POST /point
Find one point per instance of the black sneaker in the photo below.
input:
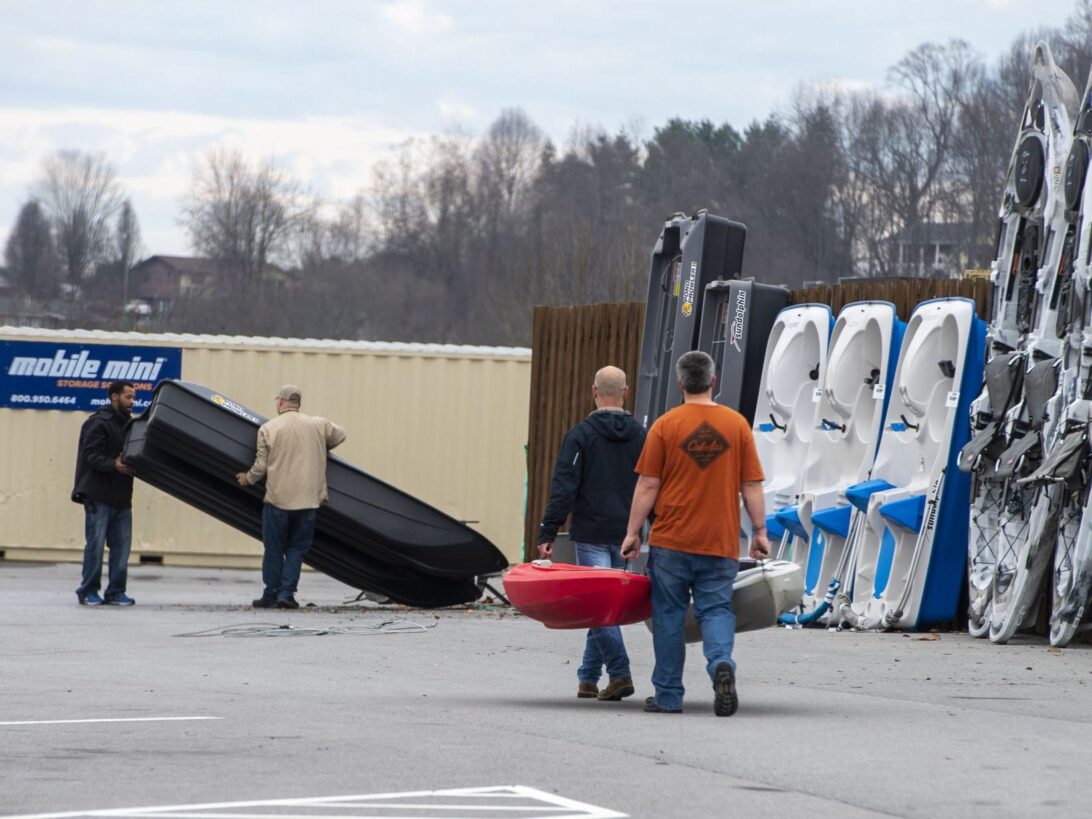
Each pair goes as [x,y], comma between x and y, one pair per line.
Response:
[288,603]
[725,701]
[652,708]
[264,603]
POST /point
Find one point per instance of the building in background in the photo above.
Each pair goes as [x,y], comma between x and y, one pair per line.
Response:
[446,423]
[162,280]
[933,250]
[20,309]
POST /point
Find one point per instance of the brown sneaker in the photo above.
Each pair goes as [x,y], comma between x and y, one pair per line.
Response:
[587,691]
[619,688]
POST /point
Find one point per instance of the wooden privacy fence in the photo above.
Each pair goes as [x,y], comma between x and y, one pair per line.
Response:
[905,294]
[571,343]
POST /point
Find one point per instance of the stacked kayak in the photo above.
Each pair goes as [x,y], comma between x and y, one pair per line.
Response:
[1029,519]
[1068,460]
[192,441]
[1030,454]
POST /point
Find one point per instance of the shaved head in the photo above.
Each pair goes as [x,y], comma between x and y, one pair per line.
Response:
[610,382]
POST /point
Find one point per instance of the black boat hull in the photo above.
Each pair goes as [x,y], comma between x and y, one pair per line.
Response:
[192,441]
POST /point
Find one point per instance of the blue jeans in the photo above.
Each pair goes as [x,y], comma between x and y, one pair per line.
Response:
[675,577]
[604,645]
[287,535]
[110,527]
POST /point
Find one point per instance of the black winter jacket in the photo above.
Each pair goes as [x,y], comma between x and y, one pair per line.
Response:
[102,437]
[594,479]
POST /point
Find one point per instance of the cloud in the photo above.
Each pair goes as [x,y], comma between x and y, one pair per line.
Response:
[415,17]
[155,152]
[454,110]
[328,87]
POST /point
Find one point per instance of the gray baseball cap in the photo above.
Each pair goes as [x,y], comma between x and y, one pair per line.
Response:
[290,392]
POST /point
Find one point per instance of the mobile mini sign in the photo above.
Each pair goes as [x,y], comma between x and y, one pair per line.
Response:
[50,375]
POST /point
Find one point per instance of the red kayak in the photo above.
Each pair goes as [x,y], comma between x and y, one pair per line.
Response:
[561,595]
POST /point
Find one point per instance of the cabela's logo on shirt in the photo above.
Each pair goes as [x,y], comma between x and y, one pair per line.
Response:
[704,445]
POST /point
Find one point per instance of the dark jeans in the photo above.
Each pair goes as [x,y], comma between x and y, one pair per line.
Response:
[286,535]
[676,577]
[603,646]
[110,527]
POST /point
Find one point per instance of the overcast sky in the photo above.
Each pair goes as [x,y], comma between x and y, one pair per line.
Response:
[330,87]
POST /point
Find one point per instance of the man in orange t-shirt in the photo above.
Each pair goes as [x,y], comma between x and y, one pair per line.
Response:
[697,461]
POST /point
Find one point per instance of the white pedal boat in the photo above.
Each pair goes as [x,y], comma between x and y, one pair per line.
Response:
[864,349]
[911,544]
[793,373]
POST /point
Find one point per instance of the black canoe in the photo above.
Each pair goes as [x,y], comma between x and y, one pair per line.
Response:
[192,441]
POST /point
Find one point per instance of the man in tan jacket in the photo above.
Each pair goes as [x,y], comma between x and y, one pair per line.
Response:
[292,458]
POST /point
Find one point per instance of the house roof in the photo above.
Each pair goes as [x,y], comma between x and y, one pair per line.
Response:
[193,265]
[199,266]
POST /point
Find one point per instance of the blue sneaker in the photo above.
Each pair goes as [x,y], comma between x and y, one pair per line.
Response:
[120,600]
[91,599]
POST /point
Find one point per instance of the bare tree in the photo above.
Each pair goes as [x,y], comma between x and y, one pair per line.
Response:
[242,214]
[128,245]
[428,225]
[30,255]
[861,201]
[1072,43]
[508,158]
[904,146]
[458,238]
[311,240]
[351,235]
[988,122]
[80,193]
[836,210]
[397,189]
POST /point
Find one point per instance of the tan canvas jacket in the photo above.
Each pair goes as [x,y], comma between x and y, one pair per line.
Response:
[292,459]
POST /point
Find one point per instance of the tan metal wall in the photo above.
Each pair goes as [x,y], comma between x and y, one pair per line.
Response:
[447,424]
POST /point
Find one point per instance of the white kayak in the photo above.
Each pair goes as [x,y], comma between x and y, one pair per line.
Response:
[763,591]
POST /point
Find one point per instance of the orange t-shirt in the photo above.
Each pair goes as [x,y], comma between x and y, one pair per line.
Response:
[701,453]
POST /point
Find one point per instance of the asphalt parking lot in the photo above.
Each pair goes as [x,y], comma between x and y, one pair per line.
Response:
[471,712]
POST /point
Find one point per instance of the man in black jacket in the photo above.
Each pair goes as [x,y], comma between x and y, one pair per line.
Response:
[104,485]
[594,479]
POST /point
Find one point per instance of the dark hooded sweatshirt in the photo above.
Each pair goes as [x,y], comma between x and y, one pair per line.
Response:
[594,479]
[102,438]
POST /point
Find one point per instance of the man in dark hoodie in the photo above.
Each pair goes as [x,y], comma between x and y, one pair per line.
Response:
[594,479]
[104,485]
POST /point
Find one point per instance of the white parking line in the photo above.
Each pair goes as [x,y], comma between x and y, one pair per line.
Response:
[105,719]
[536,805]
